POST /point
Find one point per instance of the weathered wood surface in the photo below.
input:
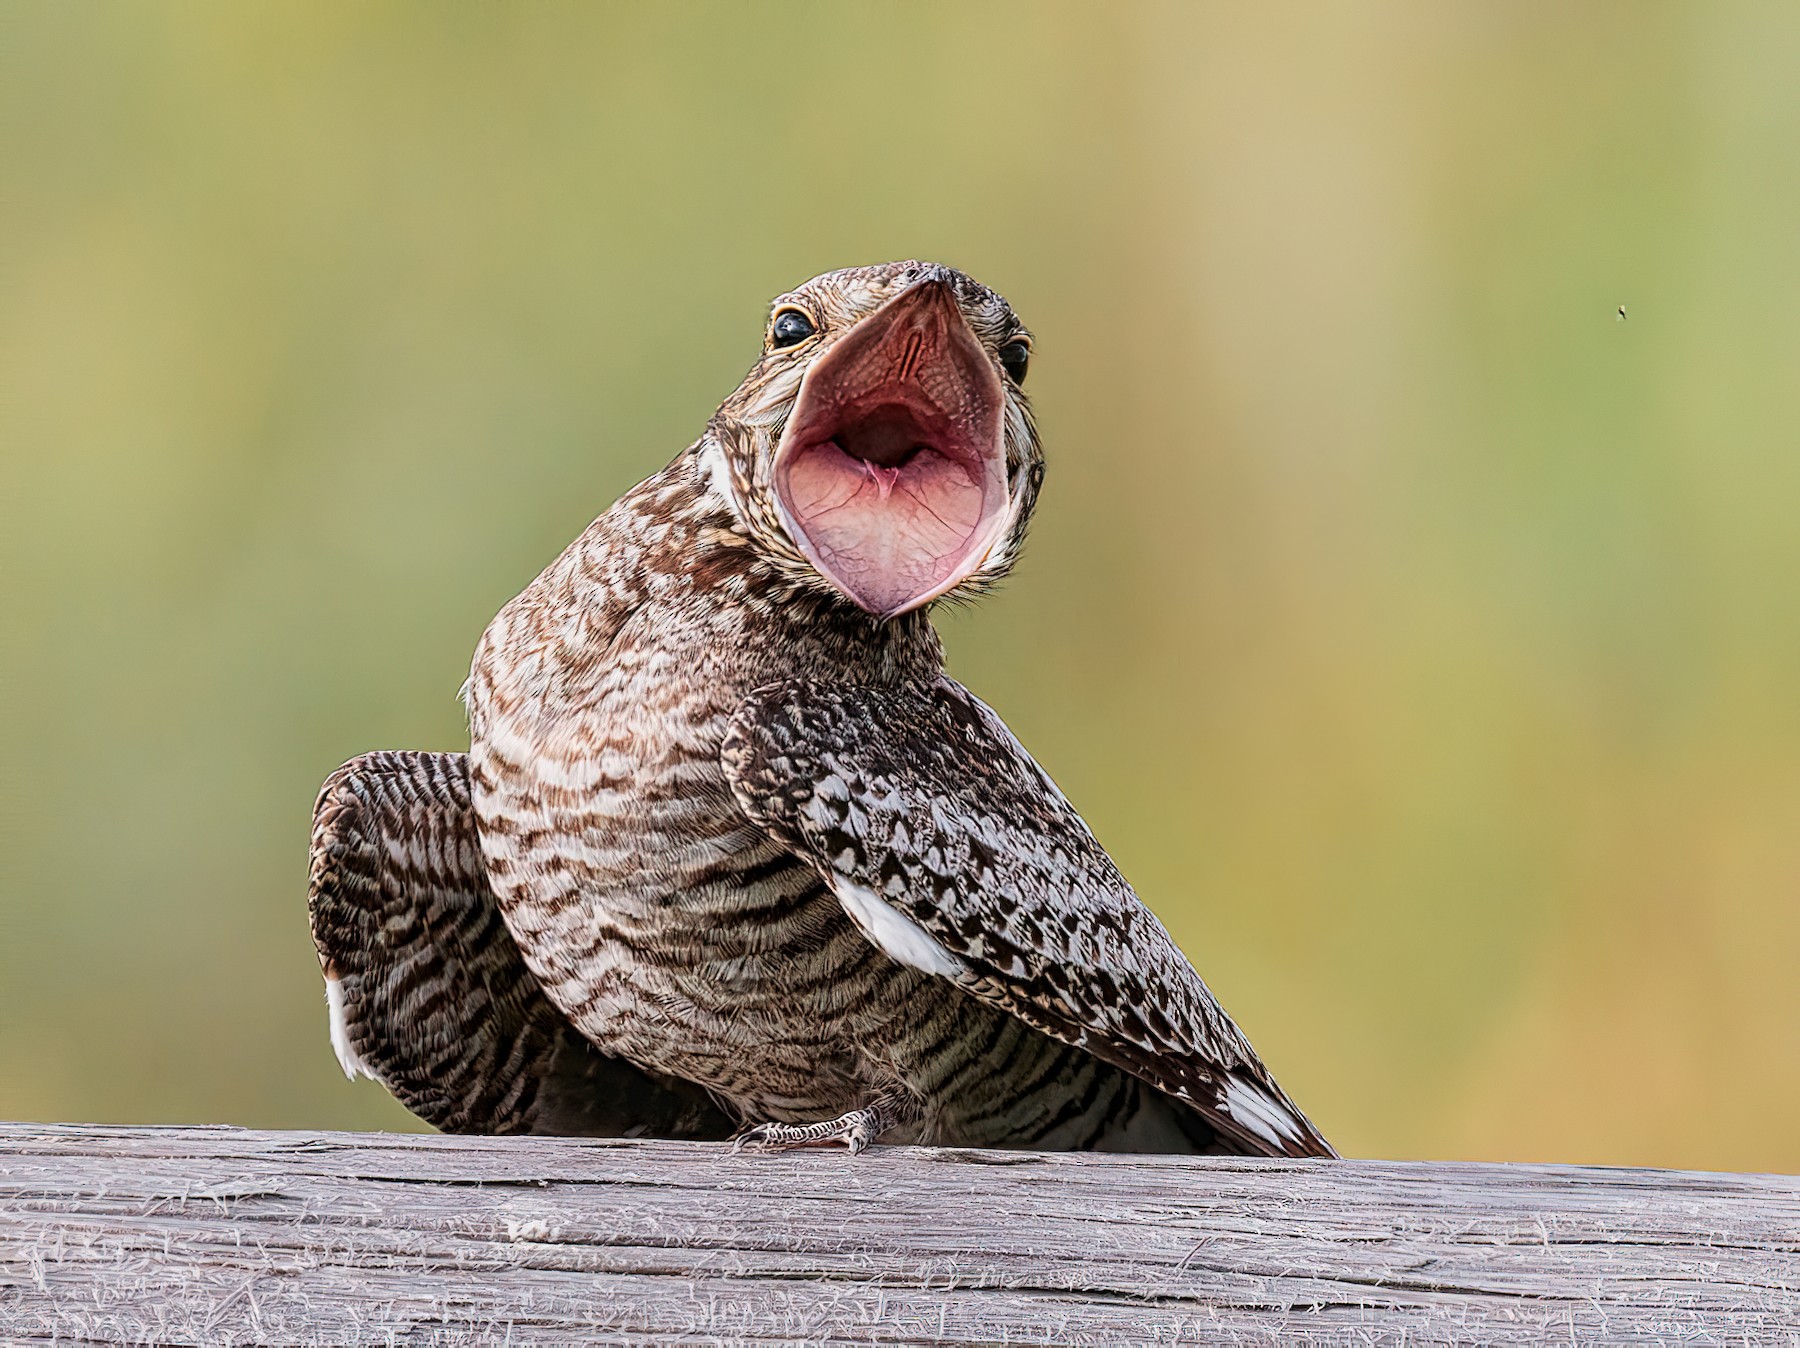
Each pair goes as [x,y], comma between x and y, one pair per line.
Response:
[217,1235]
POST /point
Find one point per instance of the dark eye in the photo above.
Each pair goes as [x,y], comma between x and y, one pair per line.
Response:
[1014,358]
[791,327]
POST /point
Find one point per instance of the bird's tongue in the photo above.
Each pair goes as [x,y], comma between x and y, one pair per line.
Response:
[890,474]
[888,537]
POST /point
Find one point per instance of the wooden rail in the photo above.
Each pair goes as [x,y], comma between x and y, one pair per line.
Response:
[218,1235]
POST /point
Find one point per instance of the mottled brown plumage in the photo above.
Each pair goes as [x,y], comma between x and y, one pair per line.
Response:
[427,991]
[747,835]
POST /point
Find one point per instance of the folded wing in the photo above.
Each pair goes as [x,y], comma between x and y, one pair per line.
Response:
[955,853]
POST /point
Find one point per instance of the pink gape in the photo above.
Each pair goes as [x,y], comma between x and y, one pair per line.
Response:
[891,474]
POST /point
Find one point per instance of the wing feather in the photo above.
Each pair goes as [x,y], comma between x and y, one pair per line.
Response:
[917,799]
[428,993]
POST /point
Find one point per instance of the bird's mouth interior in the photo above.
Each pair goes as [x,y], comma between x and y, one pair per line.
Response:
[891,474]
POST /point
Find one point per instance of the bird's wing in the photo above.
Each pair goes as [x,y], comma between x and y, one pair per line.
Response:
[955,853]
[427,990]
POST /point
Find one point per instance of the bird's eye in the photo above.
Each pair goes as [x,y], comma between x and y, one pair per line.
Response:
[1015,356]
[791,327]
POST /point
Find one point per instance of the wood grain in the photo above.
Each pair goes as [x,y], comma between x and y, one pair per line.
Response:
[219,1235]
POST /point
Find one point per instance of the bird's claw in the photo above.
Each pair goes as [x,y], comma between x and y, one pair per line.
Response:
[854,1131]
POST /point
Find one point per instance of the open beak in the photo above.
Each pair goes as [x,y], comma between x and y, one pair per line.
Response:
[891,474]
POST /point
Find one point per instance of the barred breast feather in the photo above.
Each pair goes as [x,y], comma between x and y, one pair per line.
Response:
[426,989]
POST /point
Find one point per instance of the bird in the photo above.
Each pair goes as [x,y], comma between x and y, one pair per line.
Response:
[730,854]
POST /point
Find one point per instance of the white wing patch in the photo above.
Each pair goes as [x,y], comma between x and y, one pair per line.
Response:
[340,1033]
[1258,1111]
[893,933]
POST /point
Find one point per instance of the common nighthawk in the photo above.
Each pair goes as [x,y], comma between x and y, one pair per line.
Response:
[731,852]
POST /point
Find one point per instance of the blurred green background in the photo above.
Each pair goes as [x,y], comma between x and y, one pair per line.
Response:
[1422,639]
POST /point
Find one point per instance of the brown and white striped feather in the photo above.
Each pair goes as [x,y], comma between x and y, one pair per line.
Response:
[427,992]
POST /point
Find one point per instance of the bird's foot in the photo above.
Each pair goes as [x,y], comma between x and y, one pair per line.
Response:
[854,1130]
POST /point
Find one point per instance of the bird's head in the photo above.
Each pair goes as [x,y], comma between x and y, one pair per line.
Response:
[882,445]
